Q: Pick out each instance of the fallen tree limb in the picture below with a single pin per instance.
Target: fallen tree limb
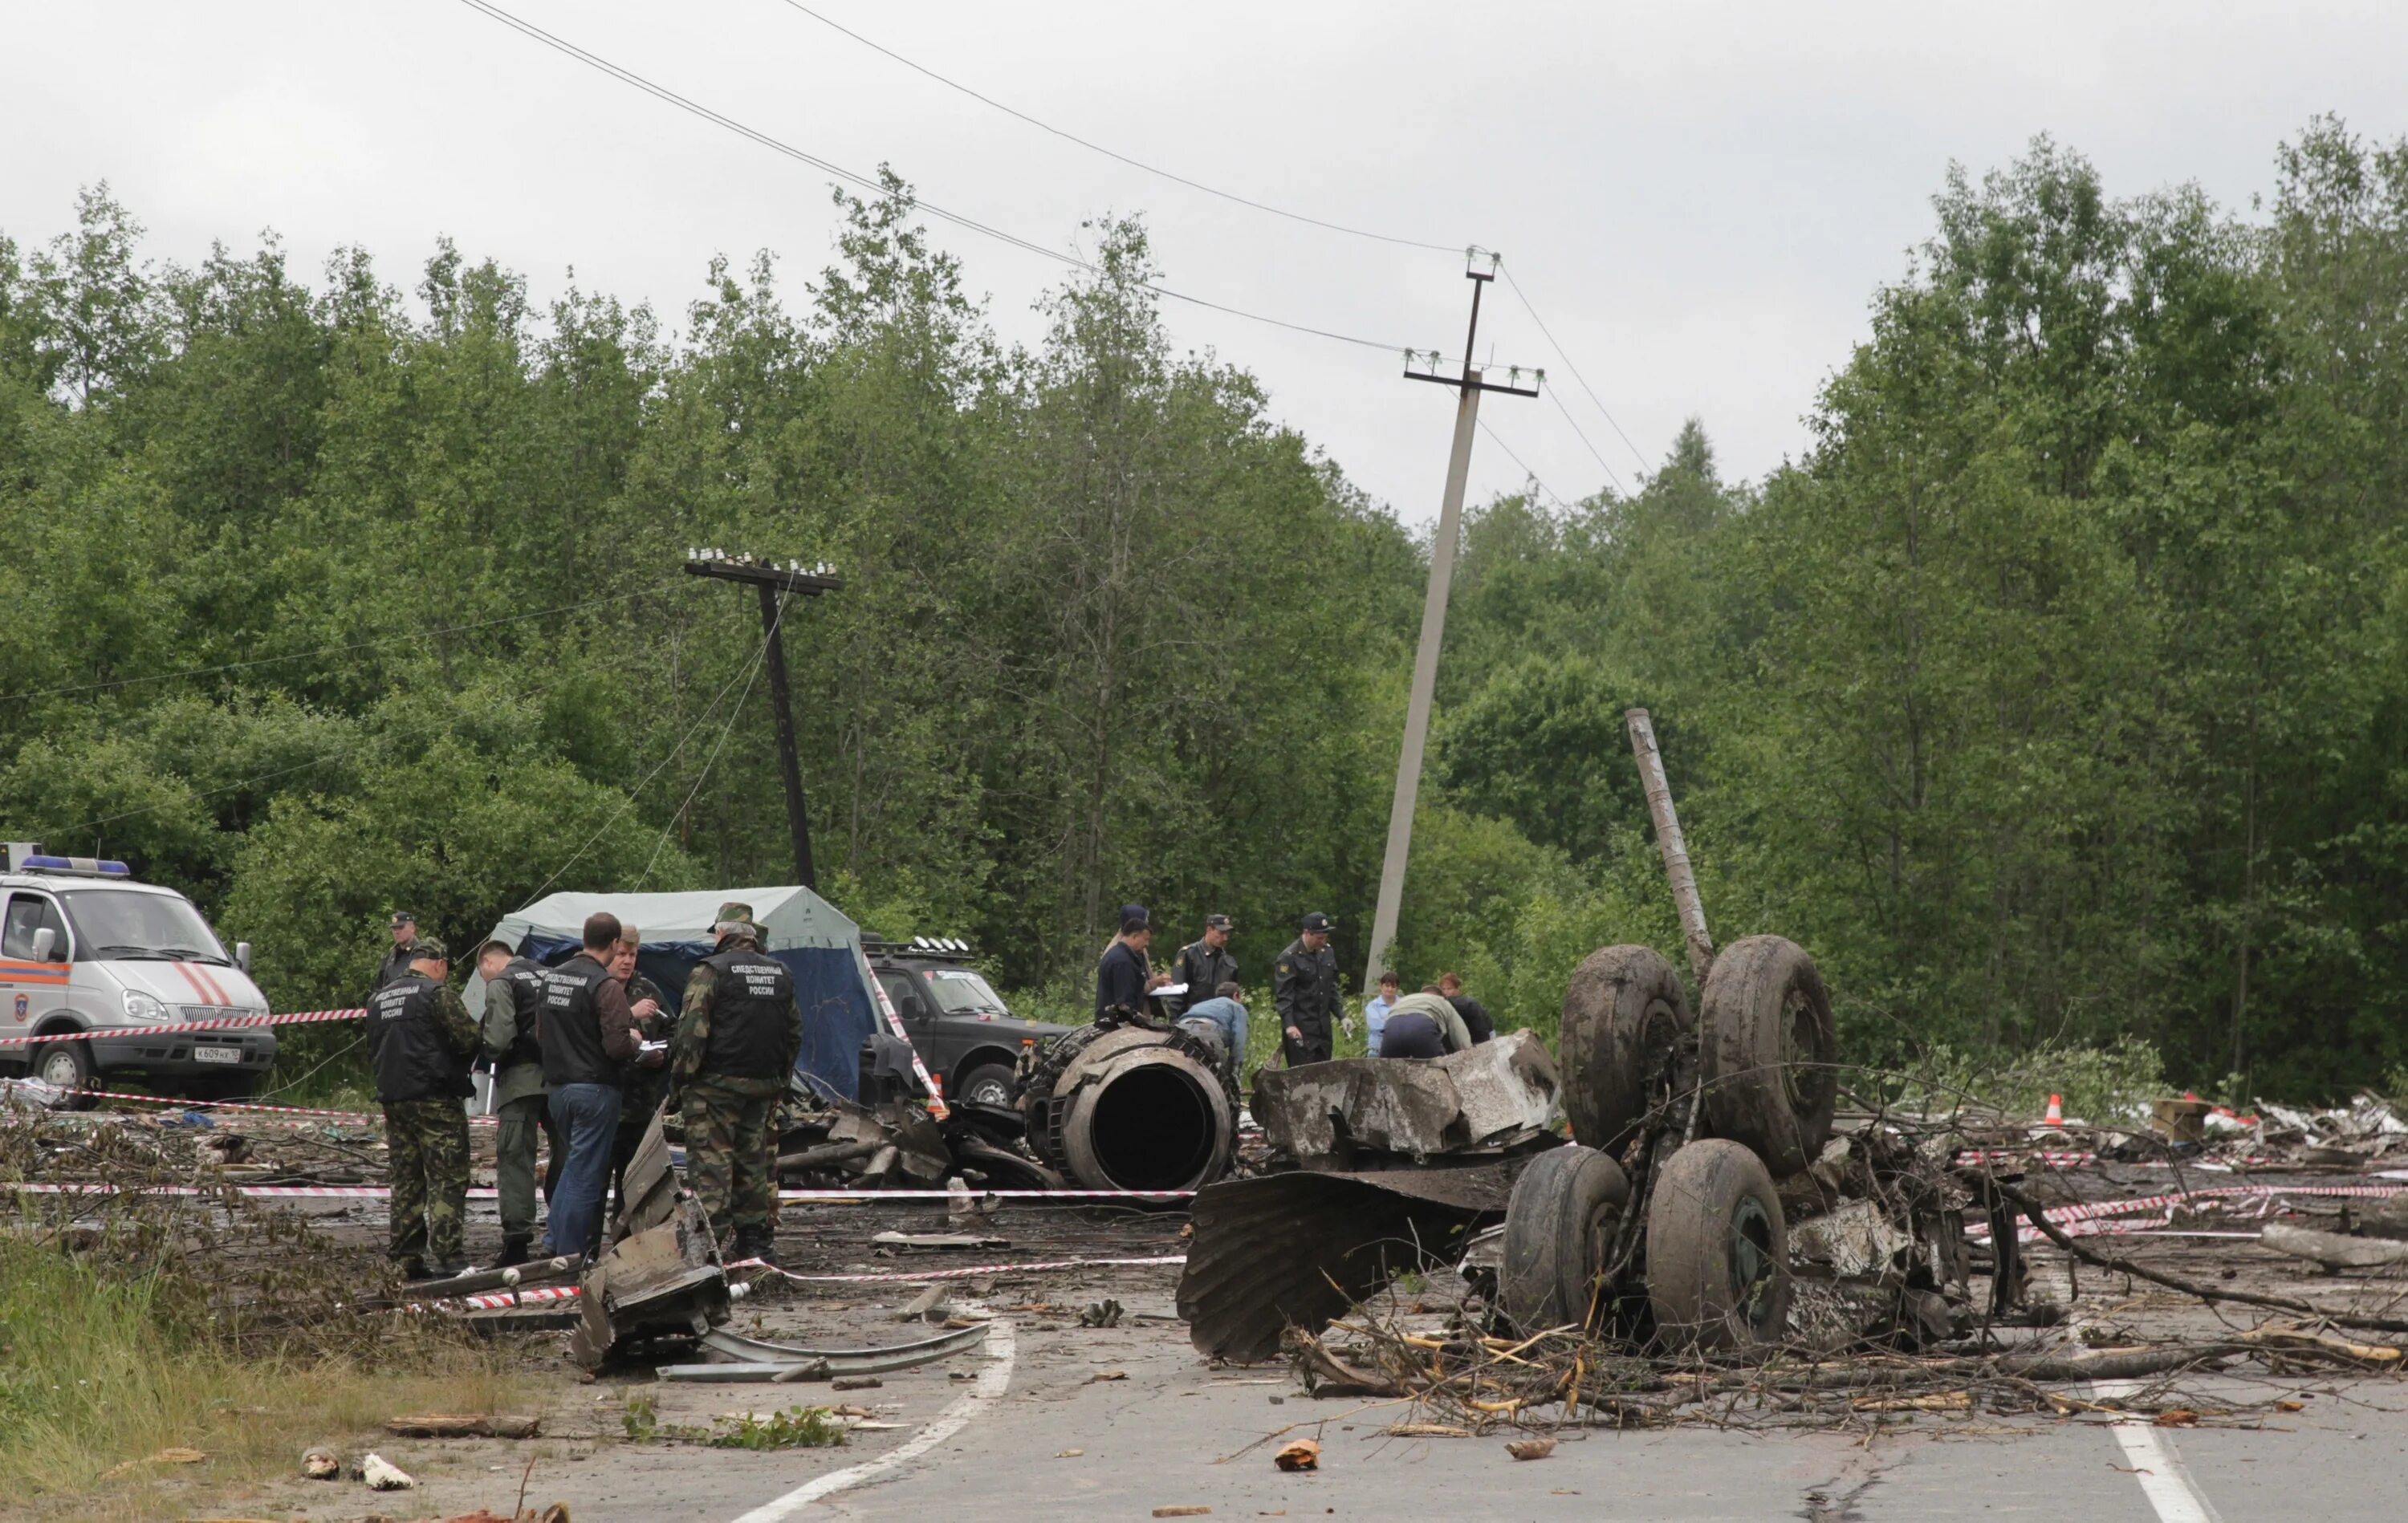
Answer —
(448, 1425)
(2038, 1217)
(2332, 1249)
(2114, 1363)
(2293, 1340)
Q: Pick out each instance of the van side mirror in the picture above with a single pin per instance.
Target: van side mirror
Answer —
(46, 943)
(242, 955)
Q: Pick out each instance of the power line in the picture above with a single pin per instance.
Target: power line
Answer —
(1499, 440)
(735, 711)
(670, 98)
(1523, 298)
(332, 649)
(1555, 398)
(1110, 153)
(629, 801)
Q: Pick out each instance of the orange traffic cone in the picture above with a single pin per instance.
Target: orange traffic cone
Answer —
(2055, 1116)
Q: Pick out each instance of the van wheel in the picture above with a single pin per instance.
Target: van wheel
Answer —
(66, 1065)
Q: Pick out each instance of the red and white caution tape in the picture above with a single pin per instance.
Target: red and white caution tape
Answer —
(267, 1192)
(908, 1276)
(498, 1301)
(481, 1193)
(936, 1106)
(374, 1118)
(2053, 1160)
(2083, 1219)
(224, 1023)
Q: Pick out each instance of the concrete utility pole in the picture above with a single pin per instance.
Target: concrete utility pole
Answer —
(770, 581)
(1450, 528)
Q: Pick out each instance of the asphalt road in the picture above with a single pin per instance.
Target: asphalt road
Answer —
(1176, 1433)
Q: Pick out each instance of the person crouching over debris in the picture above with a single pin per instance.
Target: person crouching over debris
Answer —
(421, 1039)
(513, 996)
(736, 1046)
(1423, 1025)
(1475, 1015)
(587, 1035)
(646, 1083)
(1226, 1009)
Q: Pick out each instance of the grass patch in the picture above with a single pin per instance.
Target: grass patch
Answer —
(796, 1427)
(100, 1370)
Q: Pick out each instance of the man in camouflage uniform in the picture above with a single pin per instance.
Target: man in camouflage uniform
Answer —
(647, 1083)
(513, 997)
(730, 1061)
(421, 1038)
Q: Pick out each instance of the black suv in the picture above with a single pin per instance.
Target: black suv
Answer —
(963, 1029)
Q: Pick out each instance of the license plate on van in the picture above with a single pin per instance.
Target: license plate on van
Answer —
(217, 1055)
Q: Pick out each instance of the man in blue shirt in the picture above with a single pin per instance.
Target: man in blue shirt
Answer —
(1226, 1009)
(1375, 1011)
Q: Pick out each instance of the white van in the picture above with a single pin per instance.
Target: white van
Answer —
(83, 947)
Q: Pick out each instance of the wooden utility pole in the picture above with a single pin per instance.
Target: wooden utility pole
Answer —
(775, 584)
(1468, 386)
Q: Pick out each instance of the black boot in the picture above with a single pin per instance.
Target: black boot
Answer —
(514, 1250)
(756, 1243)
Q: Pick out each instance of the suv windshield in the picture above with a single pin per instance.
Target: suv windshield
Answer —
(960, 992)
(113, 923)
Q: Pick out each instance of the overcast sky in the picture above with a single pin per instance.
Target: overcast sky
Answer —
(1700, 199)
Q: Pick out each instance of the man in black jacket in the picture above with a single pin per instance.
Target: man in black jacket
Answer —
(420, 1040)
(396, 956)
(1304, 986)
(588, 1035)
(1205, 964)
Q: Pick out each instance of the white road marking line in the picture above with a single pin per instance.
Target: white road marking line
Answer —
(2165, 1480)
(992, 1381)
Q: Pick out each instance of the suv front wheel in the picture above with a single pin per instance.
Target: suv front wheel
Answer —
(985, 1084)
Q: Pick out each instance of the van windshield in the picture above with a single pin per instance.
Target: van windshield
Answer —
(118, 923)
(959, 992)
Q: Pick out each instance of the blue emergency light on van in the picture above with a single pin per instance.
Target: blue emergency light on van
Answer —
(75, 865)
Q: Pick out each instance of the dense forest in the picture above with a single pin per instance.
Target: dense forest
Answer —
(2057, 693)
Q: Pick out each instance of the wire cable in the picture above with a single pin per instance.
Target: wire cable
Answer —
(334, 649)
(1499, 440)
(1557, 398)
(1523, 298)
(760, 658)
(629, 800)
(1110, 153)
(668, 96)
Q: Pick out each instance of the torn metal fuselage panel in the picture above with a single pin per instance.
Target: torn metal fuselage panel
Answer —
(1491, 1096)
(1297, 1249)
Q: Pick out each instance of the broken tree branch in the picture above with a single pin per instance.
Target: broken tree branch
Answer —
(2038, 1217)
